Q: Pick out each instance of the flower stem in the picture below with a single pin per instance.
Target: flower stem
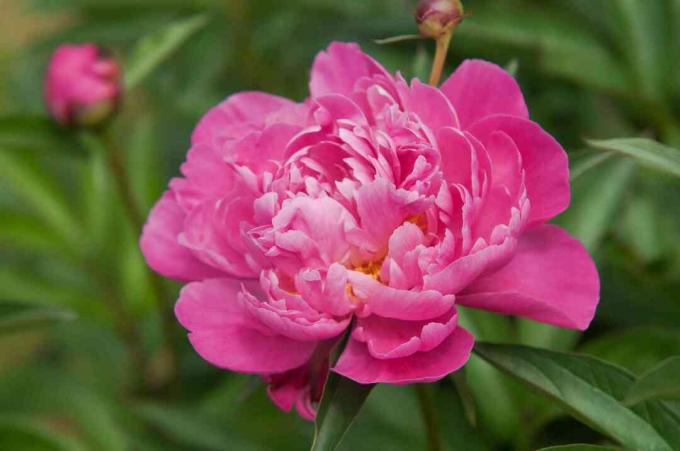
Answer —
(132, 210)
(440, 57)
(424, 392)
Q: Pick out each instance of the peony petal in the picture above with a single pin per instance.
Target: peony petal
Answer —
(391, 302)
(431, 106)
(551, 279)
(390, 338)
(543, 160)
(336, 70)
(462, 271)
(478, 89)
(357, 363)
(236, 116)
(161, 249)
(213, 232)
(224, 333)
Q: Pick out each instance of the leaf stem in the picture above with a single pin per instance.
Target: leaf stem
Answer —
(424, 392)
(441, 51)
(132, 210)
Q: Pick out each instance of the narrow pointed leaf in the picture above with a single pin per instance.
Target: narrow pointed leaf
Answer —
(37, 133)
(592, 391)
(341, 402)
(661, 382)
(579, 447)
(21, 316)
(646, 151)
(154, 49)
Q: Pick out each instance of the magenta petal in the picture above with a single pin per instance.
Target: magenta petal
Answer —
(462, 271)
(390, 338)
(478, 89)
(336, 70)
(431, 106)
(161, 249)
(543, 160)
(224, 334)
(399, 304)
(359, 365)
(236, 116)
(551, 279)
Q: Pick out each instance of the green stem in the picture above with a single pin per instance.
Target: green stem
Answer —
(440, 58)
(132, 210)
(424, 392)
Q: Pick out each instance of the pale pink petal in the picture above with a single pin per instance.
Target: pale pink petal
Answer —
(478, 89)
(160, 246)
(394, 303)
(382, 208)
(359, 365)
(543, 160)
(551, 279)
(223, 332)
(390, 338)
(337, 69)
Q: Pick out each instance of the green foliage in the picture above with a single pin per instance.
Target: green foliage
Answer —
(660, 382)
(590, 389)
(342, 400)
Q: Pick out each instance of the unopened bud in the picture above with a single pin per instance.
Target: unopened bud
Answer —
(436, 18)
(82, 85)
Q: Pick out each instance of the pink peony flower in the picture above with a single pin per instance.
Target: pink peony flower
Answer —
(375, 205)
(82, 86)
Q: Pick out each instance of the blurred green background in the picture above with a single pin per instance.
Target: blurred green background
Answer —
(105, 378)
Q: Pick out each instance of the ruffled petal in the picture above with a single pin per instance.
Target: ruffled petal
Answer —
(391, 339)
(359, 365)
(551, 279)
(390, 302)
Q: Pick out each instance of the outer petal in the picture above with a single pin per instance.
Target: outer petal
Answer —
(478, 89)
(551, 279)
(543, 160)
(336, 70)
(161, 249)
(224, 334)
(236, 116)
(357, 363)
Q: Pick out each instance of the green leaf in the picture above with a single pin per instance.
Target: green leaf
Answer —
(154, 49)
(661, 382)
(189, 427)
(635, 349)
(342, 399)
(25, 434)
(579, 447)
(39, 133)
(596, 196)
(21, 316)
(646, 151)
(592, 391)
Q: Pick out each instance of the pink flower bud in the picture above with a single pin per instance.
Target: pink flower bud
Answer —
(437, 17)
(82, 85)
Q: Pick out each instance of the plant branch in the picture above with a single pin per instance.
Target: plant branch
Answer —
(424, 392)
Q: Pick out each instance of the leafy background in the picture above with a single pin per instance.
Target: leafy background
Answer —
(88, 358)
